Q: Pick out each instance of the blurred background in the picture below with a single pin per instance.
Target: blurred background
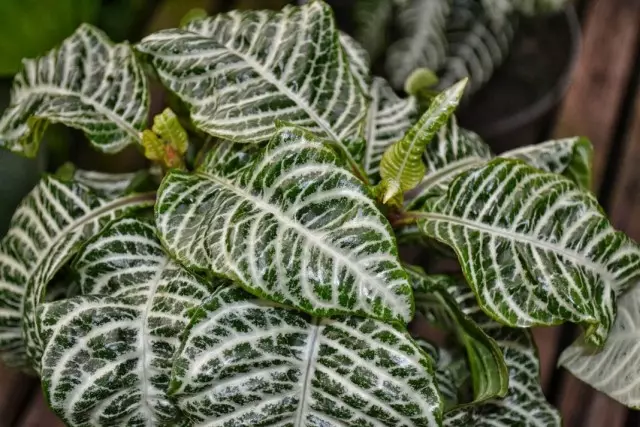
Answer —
(573, 72)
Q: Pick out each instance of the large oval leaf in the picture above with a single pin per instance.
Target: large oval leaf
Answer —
(245, 361)
(389, 117)
(535, 248)
(87, 83)
(239, 72)
(614, 369)
(46, 230)
(294, 227)
(135, 304)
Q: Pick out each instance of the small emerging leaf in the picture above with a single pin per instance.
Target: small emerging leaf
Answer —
(245, 361)
(401, 164)
(87, 83)
(167, 141)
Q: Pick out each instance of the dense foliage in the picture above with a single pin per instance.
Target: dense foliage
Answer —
(252, 275)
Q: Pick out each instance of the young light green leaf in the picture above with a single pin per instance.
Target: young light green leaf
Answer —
(535, 248)
(422, 44)
(167, 141)
(614, 369)
(239, 72)
(135, 304)
(479, 40)
(489, 373)
(87, 83)
(388, 119)
(453, 150)
(401, 165)
(571, 157)
(46, 230)
(524, 403)
(245, 361)
(295, 227)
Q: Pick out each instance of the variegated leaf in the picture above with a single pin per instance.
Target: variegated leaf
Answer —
(501, 8)
(46, 230)
(447, 370)
(230, 159)
(479, 40)
(388, 119)
(524, 404)
(239, 72)
(490, 376)
(571, 157)
(246, 362)
(422, 44)
(358, 59)
(294, 227)
(453, 150)
(401, 167)
(135, 303)
(614, 369)
(87, 83)
(372, 19)
(105, 185)
(535, 248)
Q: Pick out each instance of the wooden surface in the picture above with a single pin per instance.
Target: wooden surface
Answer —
(603, 104)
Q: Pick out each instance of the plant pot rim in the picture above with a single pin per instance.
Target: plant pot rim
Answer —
(535, 110)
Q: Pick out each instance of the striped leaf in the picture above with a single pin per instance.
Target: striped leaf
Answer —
(401, 166)
(447, 369)
(422, 43)
(295, 227)
(479, 40)
(489, 373)
(527, 7)
(239, 72)
(524, 404)
(246, 361)
(388, 119)
(372, 19)
(614, 370)
(358, 60)
(46, 230)
(535, 248)
(135, 302)
(87, 83)
(571, 157)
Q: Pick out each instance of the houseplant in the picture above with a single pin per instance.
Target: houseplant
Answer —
(252, 277)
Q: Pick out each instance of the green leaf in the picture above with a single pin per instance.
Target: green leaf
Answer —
(46, 230)
(358, 60)
(30, 28)
(401, 165)
(527, 7)
(104, 185)
(372, 19)
(167, 141)
(448, 368)
(453, 150)
(230, 159)
(388, 119)
(571, 157)
(245, 361)
(239, 72)
(479, 41)
(422, 43)
(613, 370)
(87, 83)
(535, 248)
(524, 404)
(489, 373)
(295, 227)
(116, 342)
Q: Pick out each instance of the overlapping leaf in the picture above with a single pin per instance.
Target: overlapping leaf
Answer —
(239, 72)
(116, 342)
(389, 117)
(447, 369)
(525, 404)
(489, 373)
(535, 248)
(614, 369)
(45, 232)
(401, 167)
(246, 361)
(87, 83)
(372, 19)
(422, 44)
(479, 39)
(294, 227)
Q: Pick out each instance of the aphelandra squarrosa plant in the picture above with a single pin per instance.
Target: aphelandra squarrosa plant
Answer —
(259, 284)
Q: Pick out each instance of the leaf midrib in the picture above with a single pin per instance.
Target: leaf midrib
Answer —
(48, 90)
(299, 228)
(312, 348)
(509, 235)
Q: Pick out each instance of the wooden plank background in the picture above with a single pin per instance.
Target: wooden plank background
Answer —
(603, 104)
